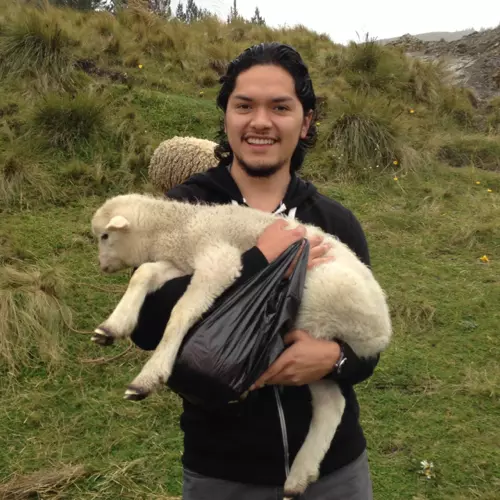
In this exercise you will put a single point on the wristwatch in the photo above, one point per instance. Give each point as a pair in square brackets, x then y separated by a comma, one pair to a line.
[342, 359]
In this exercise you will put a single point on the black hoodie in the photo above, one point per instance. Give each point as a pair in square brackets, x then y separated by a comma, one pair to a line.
[243, 442]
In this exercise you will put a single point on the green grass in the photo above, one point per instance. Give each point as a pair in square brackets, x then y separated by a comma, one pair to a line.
[429, 219]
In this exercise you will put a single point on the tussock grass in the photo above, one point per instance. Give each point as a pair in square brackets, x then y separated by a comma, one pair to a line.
[23, 183]
[32, 317]
[33, 44]
[67, 121]
[364, 137]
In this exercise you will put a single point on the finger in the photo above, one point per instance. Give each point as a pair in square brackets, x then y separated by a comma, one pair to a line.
[273, 370]
[320, 251]
[315, 241]
[317, 251]
[319, 261]
[294, 336]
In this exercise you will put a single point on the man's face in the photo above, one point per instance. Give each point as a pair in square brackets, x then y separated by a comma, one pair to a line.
[264, 120]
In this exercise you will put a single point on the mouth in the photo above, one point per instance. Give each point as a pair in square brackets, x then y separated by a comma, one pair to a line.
[260, 142]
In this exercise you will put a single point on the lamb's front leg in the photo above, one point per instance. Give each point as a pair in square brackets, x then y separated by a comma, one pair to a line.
[328, 406]
[215, 271]
[122, 321]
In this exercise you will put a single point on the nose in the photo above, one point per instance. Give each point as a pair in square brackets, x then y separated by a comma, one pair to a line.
[260, 119]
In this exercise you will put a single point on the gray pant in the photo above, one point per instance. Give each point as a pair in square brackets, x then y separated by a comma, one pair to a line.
[351, 482]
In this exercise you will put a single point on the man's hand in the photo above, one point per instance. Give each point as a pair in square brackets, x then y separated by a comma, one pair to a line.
[275, 239]
[306, 360]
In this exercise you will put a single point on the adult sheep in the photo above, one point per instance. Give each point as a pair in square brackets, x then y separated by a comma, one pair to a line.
[341, 299]
[178, 158]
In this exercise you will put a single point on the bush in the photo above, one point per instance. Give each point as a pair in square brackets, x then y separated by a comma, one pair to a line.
[362, 134]
[66, 121]
[24, 183]
[35, 45]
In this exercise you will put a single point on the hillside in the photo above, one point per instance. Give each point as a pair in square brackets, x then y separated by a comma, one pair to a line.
[86, 97]
[473, 59]
[432, 36]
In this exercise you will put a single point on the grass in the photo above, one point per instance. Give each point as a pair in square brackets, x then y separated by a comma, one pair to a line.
[66, 430]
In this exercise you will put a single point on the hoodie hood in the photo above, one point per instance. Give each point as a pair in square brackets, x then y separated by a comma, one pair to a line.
[219, 181]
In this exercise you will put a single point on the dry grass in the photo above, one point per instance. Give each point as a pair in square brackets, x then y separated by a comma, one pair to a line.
[23, 182]
[32, 317]
[42, 483]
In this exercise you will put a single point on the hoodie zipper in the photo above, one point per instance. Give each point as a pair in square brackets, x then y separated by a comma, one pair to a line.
[284, 436]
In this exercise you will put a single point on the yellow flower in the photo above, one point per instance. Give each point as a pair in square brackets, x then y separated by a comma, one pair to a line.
[318, 124]
[412, 111]
[478, 182]
[395, 178]
[490, 190]
[484, 258]
[140, 66]
[395, 162]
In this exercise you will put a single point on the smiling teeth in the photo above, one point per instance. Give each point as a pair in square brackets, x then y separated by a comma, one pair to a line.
[260, 141]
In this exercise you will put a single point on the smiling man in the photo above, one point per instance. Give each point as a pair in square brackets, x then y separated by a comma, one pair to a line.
[242, 452]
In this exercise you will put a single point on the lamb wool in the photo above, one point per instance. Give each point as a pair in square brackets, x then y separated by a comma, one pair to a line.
[178, 158]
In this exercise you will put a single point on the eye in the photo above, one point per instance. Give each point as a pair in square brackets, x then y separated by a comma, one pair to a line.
[104, 236]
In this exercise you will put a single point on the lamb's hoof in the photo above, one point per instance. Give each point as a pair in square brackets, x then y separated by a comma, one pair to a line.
[294, 487]
[135, 394]
[102, 336]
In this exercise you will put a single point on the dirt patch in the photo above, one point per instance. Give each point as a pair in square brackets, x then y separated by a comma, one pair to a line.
[89, 67]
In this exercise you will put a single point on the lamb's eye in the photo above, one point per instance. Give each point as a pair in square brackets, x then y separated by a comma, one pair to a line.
[104, 236]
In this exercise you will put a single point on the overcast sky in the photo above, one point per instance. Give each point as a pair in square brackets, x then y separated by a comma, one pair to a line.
[381, 19]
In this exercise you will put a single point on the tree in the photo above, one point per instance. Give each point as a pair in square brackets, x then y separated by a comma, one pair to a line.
[162, 7]
[80, 4]
[257, 19]
[234, 15]
[179, 13]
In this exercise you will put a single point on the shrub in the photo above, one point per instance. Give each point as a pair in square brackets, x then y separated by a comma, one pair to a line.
[35, 45]
[362, 134]
[24, 183]
[67, 121]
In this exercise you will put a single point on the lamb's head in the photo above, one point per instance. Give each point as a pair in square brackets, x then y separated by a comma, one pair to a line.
[114, 228]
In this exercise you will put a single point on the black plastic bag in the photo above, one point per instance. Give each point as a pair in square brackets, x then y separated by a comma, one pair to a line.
[225, 352]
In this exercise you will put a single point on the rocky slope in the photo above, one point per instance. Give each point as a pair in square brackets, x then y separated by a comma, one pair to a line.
[473, 59]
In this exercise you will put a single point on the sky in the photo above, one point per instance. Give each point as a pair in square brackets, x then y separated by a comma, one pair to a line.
[352, 20]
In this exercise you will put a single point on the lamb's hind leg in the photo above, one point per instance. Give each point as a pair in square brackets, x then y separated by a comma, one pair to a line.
[215, 271]
[122, 321]
[328, 407]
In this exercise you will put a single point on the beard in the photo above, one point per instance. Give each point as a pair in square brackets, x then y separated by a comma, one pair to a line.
[261, 170]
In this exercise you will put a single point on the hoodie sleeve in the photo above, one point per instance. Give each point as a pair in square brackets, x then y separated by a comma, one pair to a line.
[156, 310]
[157, 307]
[354, 370]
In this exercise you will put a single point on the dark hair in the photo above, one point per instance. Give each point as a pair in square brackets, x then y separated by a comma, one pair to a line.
[288, 58]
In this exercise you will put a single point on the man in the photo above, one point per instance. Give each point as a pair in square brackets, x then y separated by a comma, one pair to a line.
[238, 453]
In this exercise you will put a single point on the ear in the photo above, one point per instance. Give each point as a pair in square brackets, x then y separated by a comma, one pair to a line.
[118, 222]
[306, 124]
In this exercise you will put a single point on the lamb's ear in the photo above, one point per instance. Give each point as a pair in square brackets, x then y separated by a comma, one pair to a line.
[118, 222]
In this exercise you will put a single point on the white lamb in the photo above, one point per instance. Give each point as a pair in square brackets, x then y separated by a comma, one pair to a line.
[167, 239]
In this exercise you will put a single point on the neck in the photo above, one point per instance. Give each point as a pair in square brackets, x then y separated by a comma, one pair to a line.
[262, 193]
